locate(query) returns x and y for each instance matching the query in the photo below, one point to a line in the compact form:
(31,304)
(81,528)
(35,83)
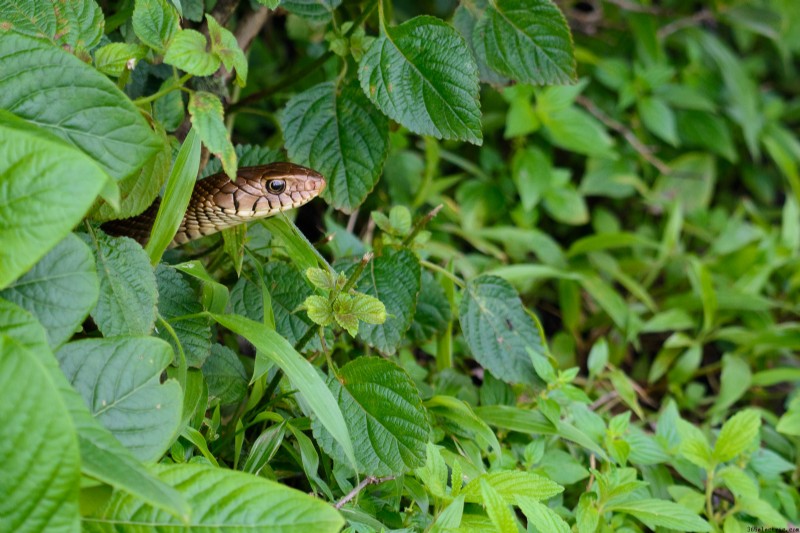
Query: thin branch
(299,73)
(421,224)
(627,5)
(250,26)
(371,480)
(704,15)
(629,136)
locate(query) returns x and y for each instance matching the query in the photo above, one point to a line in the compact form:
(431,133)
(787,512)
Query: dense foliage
(553,281)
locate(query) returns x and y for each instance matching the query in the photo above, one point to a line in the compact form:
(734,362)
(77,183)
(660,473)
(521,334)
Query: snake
(217,202)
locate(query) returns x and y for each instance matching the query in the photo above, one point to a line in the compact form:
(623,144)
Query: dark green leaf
(225,375)
(340,134)
(527,40)
(380,402)
(411,63)
(155,23)
(176,298)
(498,330)
(128,294)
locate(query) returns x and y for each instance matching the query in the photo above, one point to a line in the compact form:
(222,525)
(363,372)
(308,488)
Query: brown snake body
(218,203)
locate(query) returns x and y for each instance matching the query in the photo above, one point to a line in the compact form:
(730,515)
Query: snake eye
(276,186)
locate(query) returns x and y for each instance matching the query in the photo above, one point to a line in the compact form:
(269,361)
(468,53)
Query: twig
(634,7)
(631,137)
(371,480)
(250,26)
(301,72)
(604,399)
(421,223)
(704,15)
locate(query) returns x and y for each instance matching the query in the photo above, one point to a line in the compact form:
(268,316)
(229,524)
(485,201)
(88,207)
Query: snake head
(288,185)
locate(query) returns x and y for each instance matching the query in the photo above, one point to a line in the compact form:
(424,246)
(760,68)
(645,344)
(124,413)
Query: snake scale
(218,203)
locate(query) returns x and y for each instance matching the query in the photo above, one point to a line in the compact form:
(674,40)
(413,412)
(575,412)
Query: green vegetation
(552,283)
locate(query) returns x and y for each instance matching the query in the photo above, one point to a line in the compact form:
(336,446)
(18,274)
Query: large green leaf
(119,379)
(69,98)
(737,434)
(75,24)
(527,40)
(301,374)
(394,279)
(498,330)
(381,403)
(465,22)
(102,456)
(39,449)
(176,298)
(128,294)
(45,189)
(340,134)
(59,290)
(408,73)
(222,500)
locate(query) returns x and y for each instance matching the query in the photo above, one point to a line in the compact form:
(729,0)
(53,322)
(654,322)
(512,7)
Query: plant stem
(353,279)
(421,223)
(162,92)
(371,480)
(433,266)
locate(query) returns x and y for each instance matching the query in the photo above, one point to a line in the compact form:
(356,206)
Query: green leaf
(225,375)
(662,513)
(434,472)
(734,382)
(450,518)
(340,134)
(301,374)
(694,445)
(659,119)
(37,214)
(587,516)
(74,25)
(567,205)
(313,10)
(224,45)
(381,403)
(789,423)
(39,449)
(532,174)
(393,278)
(497,508)
(412,63)
(119,379)
(691,182)
(541,516)
(155,23)
(707,130)
(465,22)
(113,58)
(207,117)
(128,294)
(187,51)
(576,130)
(169,109)
(511,484)
(59,290)
(220,496)
(737,434)
(102,456)
(76,103)
(527,40)
(498,330)
(176,298)
(180,185)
